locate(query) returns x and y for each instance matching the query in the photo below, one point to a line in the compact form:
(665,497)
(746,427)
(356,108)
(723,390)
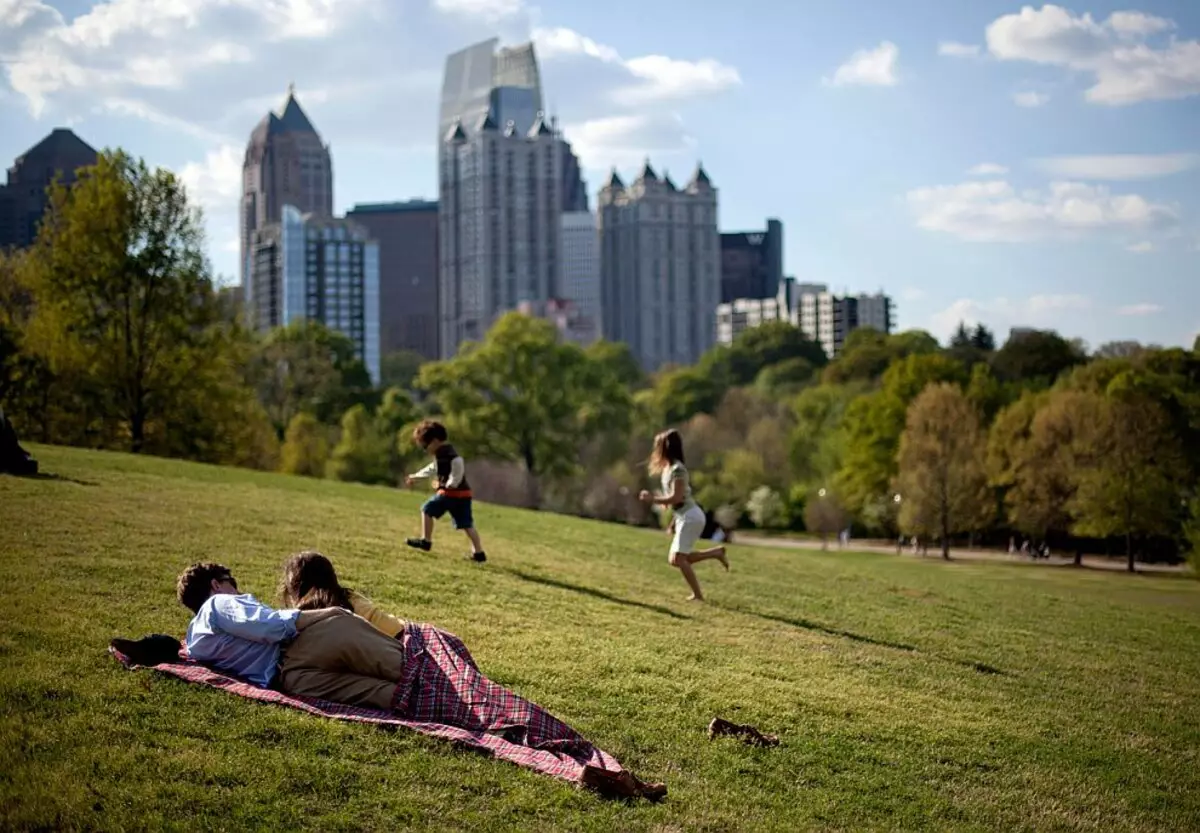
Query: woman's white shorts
(689,526)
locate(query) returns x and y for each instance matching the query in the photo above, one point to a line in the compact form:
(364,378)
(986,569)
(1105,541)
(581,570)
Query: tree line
(113,334)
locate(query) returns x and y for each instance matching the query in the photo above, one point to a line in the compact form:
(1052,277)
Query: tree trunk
(1079,556)
(532,495)
(1129,551)
(137,431)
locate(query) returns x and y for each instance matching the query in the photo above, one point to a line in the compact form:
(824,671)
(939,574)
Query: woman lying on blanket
(442,684)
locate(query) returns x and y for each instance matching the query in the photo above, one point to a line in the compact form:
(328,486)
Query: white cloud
(368,74)
(119,46)
(869,67)
(1141,248)
(650,78)
(953,49)
(215,182)
(559,42)
(1125,66)
(912,293)
(1001,314)
(1030,98)
(1119,166)
(143,111)
(488,10)
(993,211)
(1140,309)
(988,169)
(625,141)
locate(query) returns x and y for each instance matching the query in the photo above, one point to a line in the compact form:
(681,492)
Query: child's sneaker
(479,557)
(423,544)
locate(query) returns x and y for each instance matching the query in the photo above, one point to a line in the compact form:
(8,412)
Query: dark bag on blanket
(151,650)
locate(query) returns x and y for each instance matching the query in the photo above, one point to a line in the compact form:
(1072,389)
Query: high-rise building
(309,267)
(286,163)
(822,316)
(407,233)
(828,319)
(482,79)
(24,200)
(506,83)
(660,266)
(752,263)
(741,314)
(574,189)
(580,281)
(499,224)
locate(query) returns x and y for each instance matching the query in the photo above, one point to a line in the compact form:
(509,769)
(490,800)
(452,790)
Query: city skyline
(990,163)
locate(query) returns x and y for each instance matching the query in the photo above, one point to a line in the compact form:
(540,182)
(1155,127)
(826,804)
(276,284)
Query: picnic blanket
(442,694)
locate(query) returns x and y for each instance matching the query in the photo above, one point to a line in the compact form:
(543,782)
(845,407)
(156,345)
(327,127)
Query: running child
(453,491)
(688,521)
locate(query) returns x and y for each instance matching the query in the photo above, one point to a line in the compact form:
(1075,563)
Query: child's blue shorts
(458,507)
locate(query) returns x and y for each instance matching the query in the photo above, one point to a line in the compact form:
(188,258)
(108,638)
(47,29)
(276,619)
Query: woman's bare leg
(682,562)
(703,555)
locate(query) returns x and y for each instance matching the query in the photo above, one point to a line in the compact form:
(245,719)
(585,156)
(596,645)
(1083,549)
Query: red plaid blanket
(443,694)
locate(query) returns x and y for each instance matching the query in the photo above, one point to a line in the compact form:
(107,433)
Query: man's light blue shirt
(241,635)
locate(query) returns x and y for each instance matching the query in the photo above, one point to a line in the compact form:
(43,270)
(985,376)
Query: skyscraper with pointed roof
(499,233)
(660,266)
(286,163)
(23,201)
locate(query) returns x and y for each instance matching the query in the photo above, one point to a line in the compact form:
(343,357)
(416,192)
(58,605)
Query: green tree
(362,452)
(619,359)
(941,469)
(374,448)
(785,378)
(1046,464)
(732,480)
(306,367)
(987,393)
(681,393)
(1132,486)
(912,343)
(1036,357)
(816,444)
(522,395)
(865,356)
(873,424)
(123,298)
(769,344)
(765,508)
(399,369)
(305,449)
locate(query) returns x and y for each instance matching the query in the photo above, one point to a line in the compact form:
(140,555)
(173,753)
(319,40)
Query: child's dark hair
(428,431)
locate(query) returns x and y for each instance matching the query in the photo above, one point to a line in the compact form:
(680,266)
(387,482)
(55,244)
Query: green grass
(908,694)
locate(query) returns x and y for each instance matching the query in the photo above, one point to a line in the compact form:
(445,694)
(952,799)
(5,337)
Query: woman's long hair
(310,583)
(668,449)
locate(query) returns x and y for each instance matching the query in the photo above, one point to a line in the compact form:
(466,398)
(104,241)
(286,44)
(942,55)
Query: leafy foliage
(942,481)
(522,395)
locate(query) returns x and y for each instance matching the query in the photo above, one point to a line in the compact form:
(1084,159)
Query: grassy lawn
(907,694)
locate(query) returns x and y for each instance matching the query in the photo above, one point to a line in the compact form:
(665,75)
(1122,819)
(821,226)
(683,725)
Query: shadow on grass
(809,625)
(42,475)
(595,594)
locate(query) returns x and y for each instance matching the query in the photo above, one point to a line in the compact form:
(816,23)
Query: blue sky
(983,161)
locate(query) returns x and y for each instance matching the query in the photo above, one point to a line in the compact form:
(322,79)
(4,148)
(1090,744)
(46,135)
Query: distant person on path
(688,519)
(444,685)
(449,472)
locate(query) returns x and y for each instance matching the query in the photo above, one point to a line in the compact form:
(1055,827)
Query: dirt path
(956,554)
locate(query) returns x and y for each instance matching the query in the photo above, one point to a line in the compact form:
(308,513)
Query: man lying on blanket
(333,654)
